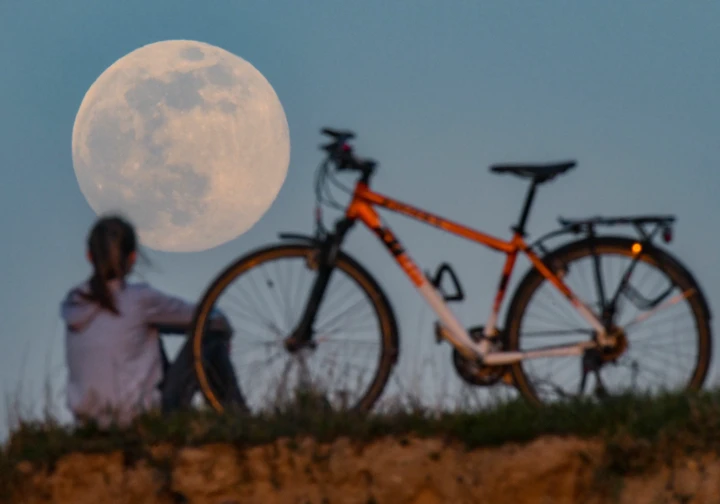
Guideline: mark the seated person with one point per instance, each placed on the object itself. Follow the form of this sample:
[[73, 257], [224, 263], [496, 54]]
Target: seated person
[[116, 366]]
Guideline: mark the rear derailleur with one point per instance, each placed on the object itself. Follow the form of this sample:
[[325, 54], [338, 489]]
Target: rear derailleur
[[595, 358]]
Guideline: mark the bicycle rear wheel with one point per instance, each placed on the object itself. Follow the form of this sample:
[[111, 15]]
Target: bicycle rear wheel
[[263, 295], [677, 336]]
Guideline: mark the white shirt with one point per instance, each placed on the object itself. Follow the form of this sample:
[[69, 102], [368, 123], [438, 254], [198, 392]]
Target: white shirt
[[114, 361]]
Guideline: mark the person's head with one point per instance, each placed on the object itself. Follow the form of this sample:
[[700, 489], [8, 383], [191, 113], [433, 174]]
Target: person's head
[[112, 251]]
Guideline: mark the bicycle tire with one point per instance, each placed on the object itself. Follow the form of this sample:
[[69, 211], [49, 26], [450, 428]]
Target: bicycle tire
[[650, 254], [389, 330]]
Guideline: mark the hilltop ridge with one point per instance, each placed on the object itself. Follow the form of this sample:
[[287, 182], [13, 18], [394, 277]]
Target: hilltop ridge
[[626, 449]]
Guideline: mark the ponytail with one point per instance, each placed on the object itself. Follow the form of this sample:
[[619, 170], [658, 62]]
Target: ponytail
[[110, 244]]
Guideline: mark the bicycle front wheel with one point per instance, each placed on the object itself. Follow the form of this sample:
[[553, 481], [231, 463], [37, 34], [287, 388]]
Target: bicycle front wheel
[[665, 338], [264, 293]]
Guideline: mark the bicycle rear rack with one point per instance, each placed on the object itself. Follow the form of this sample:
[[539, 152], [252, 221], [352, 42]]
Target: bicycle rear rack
[[588, 227]]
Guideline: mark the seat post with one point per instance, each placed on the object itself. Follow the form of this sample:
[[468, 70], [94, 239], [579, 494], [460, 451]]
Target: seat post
[[520, 228]]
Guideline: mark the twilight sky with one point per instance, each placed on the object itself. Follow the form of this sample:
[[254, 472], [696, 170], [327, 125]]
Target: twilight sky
[[436, 91]]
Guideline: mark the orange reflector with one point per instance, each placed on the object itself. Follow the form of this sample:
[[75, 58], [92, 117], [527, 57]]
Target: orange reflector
[[636, 248]]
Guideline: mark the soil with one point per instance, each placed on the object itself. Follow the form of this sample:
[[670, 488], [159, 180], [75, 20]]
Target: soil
[[394, 471]]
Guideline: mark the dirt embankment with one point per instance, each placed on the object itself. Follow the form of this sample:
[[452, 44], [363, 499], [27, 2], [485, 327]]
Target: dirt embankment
[[392, 471]]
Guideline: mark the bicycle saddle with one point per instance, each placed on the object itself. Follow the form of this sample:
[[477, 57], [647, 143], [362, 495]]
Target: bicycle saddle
[[538, 172]]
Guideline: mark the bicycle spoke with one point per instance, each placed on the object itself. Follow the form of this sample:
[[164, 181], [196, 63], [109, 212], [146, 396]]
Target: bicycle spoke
[[654, 357], [266, 303]]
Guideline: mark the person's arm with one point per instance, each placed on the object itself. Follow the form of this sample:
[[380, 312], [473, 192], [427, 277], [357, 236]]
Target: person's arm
[[173, 315]]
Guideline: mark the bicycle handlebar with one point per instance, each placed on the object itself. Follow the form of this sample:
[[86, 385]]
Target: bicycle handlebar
[[341, 153]]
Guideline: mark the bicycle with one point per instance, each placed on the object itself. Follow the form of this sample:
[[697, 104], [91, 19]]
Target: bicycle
[[482, 355]]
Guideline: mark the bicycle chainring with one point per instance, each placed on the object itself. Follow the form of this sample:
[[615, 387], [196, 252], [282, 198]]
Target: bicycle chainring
[[477, 374]]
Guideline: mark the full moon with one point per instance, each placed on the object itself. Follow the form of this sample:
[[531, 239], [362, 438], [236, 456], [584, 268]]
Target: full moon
[[187, 140]]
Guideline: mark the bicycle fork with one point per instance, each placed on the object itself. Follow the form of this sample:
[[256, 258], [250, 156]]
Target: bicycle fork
[[302, 335]]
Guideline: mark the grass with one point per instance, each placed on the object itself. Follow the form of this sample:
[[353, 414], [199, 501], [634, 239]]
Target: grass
[[639, 431]]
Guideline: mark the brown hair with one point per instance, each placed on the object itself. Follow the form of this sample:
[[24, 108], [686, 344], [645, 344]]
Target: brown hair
[[110, 244]]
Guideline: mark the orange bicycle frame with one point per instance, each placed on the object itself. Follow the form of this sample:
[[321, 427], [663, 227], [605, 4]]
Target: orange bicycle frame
[[362, 208]]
